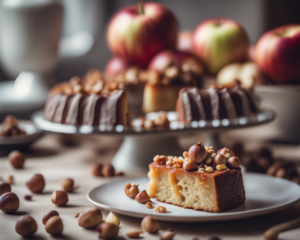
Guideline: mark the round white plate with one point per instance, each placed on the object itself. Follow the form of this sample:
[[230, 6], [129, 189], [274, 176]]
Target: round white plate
[[264, 194]]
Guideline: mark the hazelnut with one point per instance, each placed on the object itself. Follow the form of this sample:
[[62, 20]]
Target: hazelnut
[[59, 198], [209, 158], [96, 169], [4, 187], [162, 120], [26, 226], [108, 170], [16, 159], [160, 209], [281, 173], [169, 235], [36, 184], [9, 202], [68, 185], [54, 226], [208, 169], [189, 165], [149, 205], [134, 234], [185, 154], [221, 167], [49, 215], [131, 190], [107, 230], [150, 225], [142, 197], [90, 217], [219, 159], [197, 153], [226, 152], [112, 218], [234, 162]]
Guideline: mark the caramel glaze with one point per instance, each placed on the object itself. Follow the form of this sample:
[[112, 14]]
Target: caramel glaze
[[83, 109], [208, 104]]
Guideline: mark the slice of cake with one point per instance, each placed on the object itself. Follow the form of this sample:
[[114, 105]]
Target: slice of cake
[[88, 101], [195, 104], [201, 179]]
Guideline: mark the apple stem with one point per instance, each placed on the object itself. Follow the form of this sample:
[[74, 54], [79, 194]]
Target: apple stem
[[141, 8]]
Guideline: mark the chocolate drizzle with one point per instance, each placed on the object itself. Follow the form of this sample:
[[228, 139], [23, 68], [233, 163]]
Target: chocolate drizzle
[[208, 104]]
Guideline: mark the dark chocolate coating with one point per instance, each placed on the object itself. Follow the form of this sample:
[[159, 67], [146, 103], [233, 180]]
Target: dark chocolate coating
[[208, 104]]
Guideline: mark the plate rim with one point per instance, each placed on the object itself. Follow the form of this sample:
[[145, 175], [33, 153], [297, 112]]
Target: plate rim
[[211, 218]]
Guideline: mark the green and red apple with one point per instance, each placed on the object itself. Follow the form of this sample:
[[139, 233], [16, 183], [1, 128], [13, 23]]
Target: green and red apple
[[220, 41], [139, 32], [277, 53]]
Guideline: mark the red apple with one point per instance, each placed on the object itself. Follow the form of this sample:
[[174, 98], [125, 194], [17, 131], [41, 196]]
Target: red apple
[[220, 41], [116, 65], [277, 53], [185, 41], [171, 57], [139, 32]]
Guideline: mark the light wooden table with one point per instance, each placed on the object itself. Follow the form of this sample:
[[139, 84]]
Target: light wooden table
[[56, 162]]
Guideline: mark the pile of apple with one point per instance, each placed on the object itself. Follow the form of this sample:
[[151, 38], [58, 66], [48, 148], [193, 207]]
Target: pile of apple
[[136, 34]]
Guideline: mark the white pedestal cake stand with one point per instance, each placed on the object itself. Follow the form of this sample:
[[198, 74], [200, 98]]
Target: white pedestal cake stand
[[140, 146]]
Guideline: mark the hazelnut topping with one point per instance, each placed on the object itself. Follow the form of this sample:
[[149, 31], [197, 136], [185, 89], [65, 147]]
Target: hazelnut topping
[[219, 159], [189, 165], [197, 153], [234, 162]]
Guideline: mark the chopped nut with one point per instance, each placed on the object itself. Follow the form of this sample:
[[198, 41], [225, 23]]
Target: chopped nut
[[213, 155], [160, 160], [178, 161], [170, 163], [221, 167], [209, 169], [185, 154], [208, 159], [160, 209], [210, 151], [150, 225], [201, 170], [112, 218], [149, 205], [169, 235], [10, 179], [134, 234], [227, 155]]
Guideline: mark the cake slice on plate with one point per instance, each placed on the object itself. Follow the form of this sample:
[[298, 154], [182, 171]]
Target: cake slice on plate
[[201, 179]]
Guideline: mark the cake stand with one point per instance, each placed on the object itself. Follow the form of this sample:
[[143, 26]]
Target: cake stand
[[141, 145]]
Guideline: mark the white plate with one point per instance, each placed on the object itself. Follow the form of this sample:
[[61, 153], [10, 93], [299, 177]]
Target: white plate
[[264, 194]]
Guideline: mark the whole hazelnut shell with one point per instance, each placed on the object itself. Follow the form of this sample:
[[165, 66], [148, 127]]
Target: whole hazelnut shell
[[59, 198], [142, 197], [150, 225], [9, 202], [189, 165], [97, 169], [49, 215], [54, 226], [16, 159], [197, 153], [4, 187], [219, 159], [131, 191], [36, 184], [90, 217], [68, 185], [108, 170], [26, 226], [108, 230], [234, 162]]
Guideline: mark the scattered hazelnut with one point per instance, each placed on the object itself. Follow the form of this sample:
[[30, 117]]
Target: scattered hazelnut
[[112, 218], [36, 184], [226, 152], [49, 215], [26, 226], [28, 197], [134, 234], [219, 159], [54, 226], [76, 215], [9, 202], [160, 209], [142, 197], [131, 190], [150, 225], [68, 185], [59, 198], [149, 205], [167, 235], [185, 154], [16, 159], [4, 187], [233, 162], [10, 179], [281, 173], [197, 153], [108, 170], [221, 167], [97, 169], [107, 230], [189, 165], [90, 217]]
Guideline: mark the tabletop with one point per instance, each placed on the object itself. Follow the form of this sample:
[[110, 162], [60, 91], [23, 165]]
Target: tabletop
[[57, 158]]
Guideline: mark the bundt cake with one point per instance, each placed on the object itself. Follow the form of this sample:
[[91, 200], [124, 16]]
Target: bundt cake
[[201, 179], [214, 103], [168, 72], [88, 101]]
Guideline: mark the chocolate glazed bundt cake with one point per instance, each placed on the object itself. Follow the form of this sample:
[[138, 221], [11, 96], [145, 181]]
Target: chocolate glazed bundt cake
[[214, 103], [88, 101]]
